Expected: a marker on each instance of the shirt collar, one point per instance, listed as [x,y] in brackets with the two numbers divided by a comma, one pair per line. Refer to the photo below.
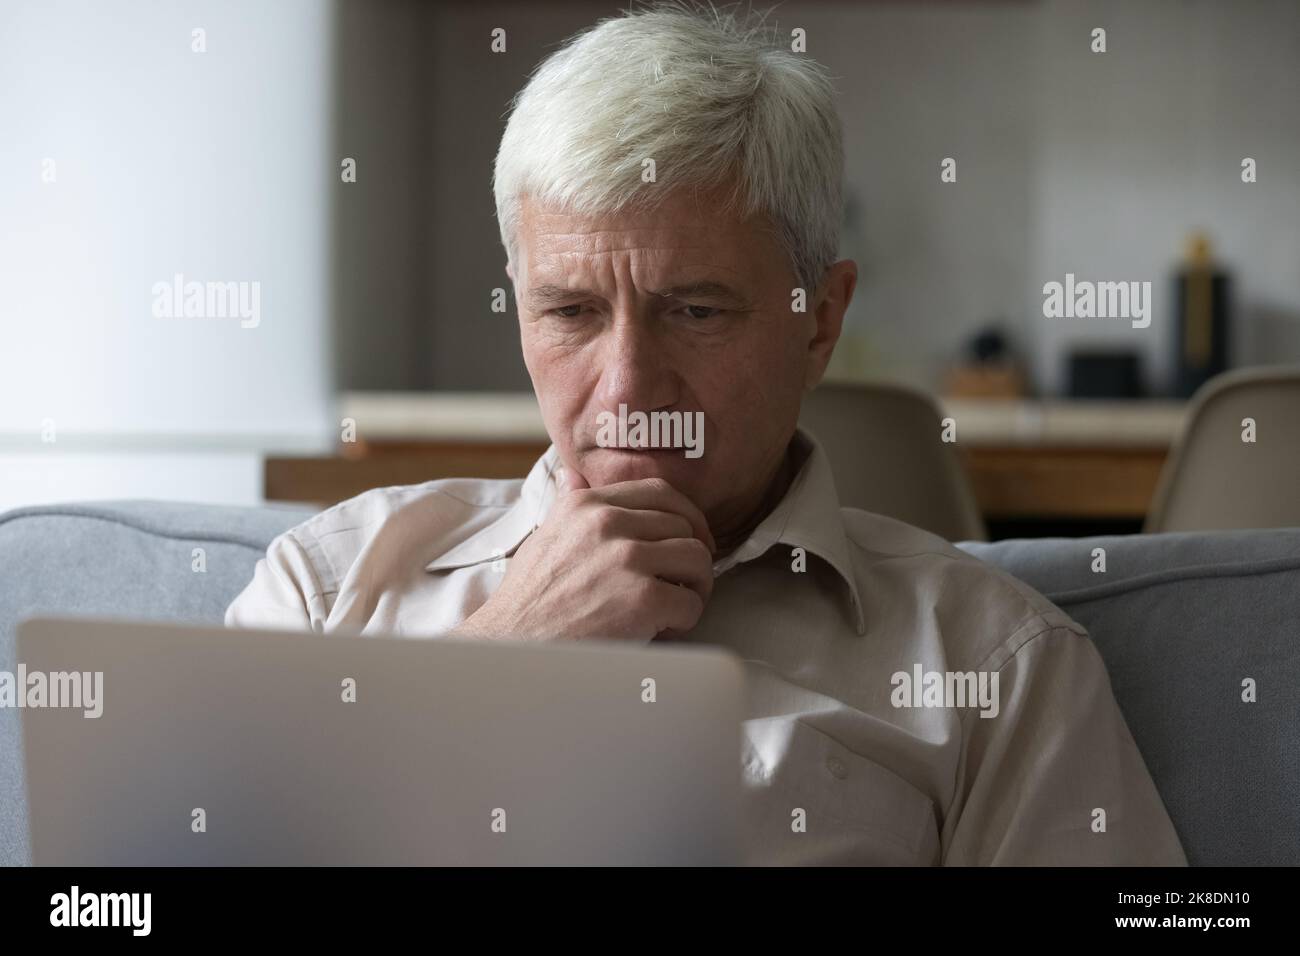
[500,538]
[807,517]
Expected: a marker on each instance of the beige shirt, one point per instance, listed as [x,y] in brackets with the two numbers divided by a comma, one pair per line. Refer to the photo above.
[827,607]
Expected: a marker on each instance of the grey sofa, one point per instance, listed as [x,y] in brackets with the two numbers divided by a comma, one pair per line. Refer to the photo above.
[1181,620]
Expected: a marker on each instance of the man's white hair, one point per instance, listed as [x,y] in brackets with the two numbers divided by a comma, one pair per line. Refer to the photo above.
[714,99]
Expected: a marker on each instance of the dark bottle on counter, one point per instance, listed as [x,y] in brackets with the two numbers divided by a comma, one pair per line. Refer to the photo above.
[1201,323]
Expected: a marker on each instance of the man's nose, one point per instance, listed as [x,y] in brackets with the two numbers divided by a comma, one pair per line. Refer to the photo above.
[636,372]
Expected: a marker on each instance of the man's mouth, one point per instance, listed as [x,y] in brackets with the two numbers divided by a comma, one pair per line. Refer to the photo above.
[674,452]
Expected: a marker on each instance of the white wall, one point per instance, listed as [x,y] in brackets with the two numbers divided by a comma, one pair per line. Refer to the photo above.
[215,165]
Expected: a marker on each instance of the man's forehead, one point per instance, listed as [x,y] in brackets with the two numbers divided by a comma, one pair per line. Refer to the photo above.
[663,229]
[680,248]
[680,205]
[704,275]
[733,294]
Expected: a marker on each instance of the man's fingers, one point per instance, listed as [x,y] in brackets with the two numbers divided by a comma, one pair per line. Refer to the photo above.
[647,525]
[678,561]
[658,495]
[676,608]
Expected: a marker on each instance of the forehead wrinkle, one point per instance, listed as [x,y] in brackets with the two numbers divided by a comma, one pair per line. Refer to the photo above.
[670,264]
[692,278]
[607,241]
[584,256]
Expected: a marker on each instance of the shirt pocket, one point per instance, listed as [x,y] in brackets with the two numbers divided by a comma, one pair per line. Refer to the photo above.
[856,811]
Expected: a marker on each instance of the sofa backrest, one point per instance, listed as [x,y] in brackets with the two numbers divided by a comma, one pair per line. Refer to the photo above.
[1182,621]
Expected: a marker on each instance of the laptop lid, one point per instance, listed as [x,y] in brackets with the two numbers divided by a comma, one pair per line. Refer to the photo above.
[235,747]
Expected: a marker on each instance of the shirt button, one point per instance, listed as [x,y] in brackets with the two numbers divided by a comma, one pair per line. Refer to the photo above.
[836,766]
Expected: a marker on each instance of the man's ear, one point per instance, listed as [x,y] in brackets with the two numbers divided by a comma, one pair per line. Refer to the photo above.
[832,303]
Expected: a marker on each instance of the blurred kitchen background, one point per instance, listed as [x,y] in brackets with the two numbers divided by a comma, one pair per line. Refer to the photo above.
[378,359]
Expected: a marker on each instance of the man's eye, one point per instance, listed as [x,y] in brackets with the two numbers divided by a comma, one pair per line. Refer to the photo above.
[564,312]
[693,311]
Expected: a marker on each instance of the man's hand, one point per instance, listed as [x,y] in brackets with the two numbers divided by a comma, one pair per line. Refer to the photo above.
[627,561]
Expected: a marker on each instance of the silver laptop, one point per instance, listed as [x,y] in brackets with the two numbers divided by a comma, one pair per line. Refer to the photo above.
[235,747]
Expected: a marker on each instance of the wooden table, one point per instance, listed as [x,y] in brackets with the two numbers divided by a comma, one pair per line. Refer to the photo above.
[1026,459]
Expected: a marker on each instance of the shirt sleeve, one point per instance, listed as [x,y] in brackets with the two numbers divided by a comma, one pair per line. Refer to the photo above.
[284,593]
[1055,778]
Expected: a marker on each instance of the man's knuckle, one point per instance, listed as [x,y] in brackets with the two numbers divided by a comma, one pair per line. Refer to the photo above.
[604,521]
[626,552]
[644,592]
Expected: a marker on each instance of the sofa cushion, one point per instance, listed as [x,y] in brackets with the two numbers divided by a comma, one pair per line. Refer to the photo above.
[1182,619]
[116,559]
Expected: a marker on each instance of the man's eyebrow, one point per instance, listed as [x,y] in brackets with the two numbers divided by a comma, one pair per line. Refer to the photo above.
[705,289]
[542,294]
